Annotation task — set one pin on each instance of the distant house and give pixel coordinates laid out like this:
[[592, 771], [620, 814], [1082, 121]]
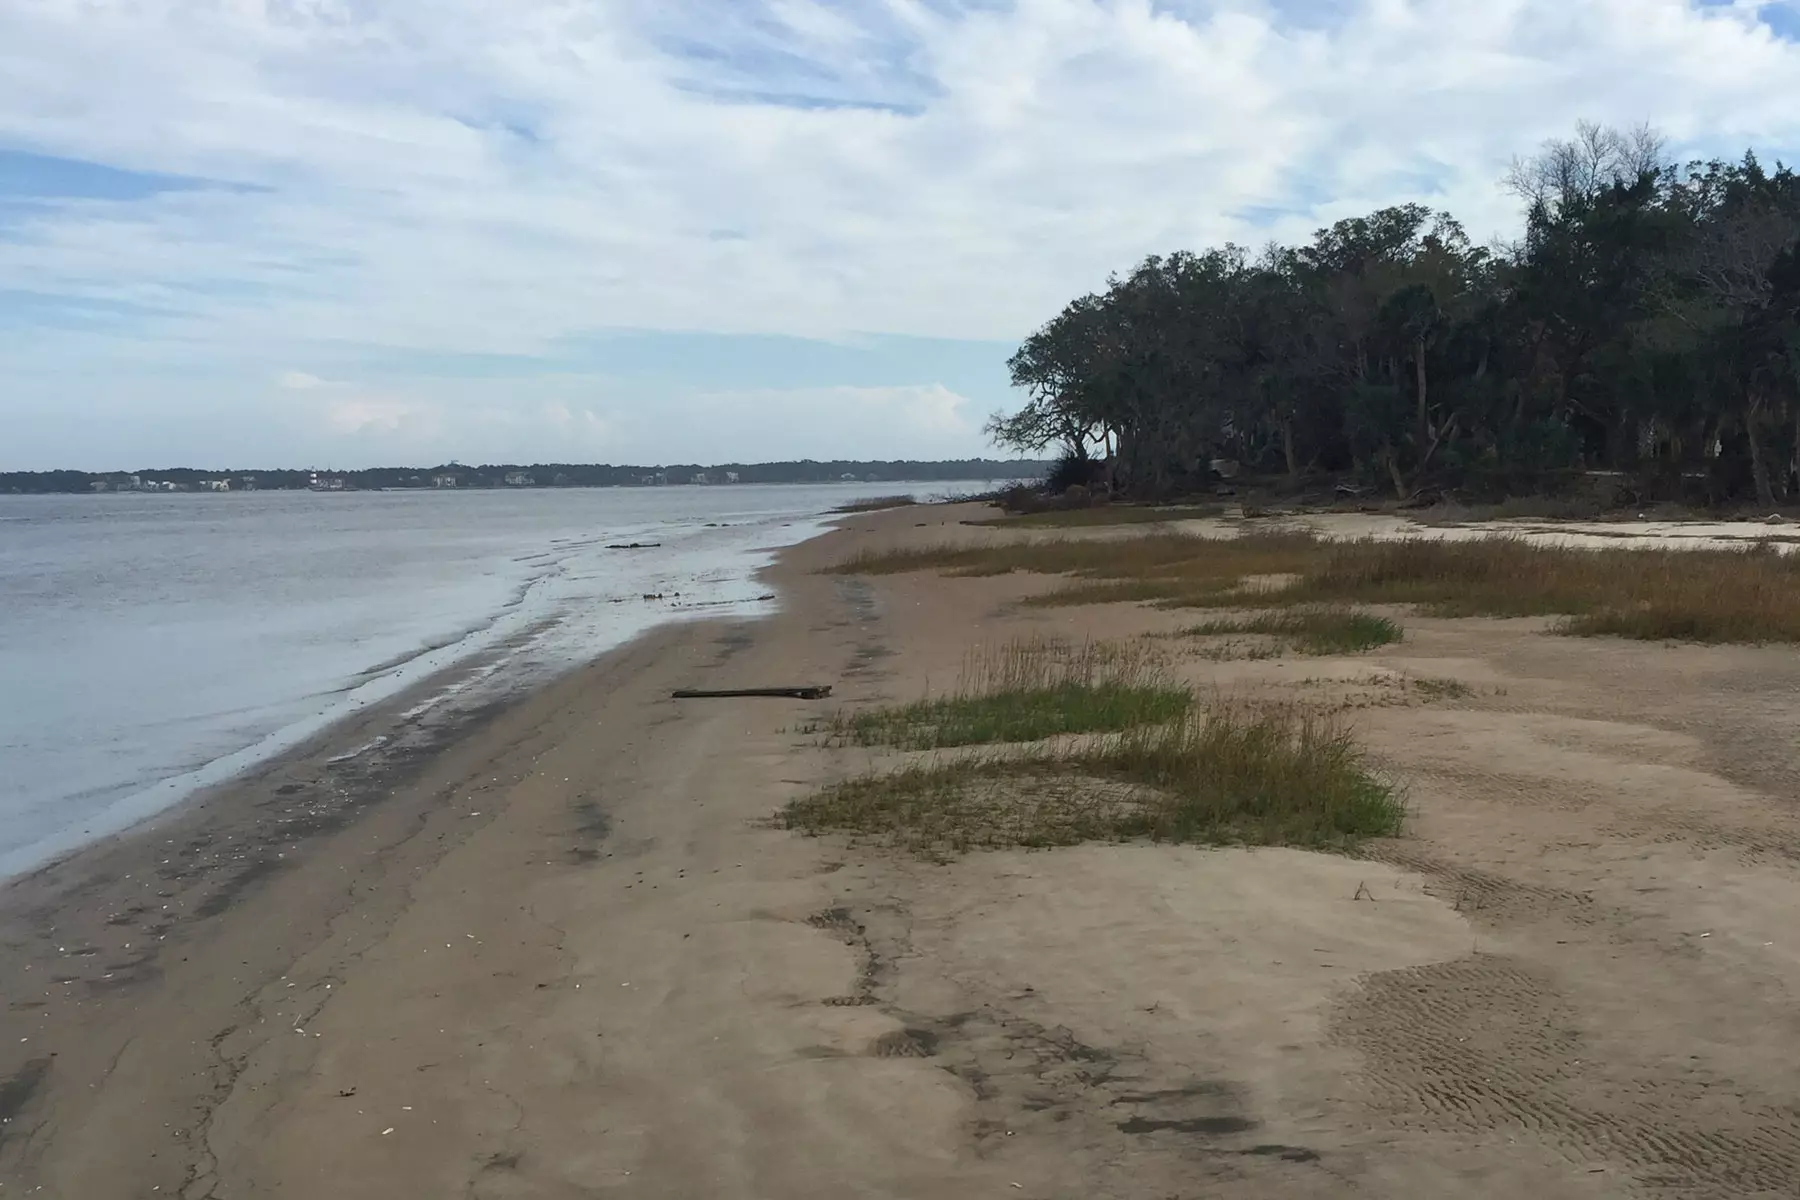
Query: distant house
[[702, 477], [519, 479], [215, 485], [99, 485], [848, 477], [443, 481], [731, 477]]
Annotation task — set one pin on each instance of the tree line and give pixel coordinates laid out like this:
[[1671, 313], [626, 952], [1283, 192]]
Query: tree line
[[1647, 324]]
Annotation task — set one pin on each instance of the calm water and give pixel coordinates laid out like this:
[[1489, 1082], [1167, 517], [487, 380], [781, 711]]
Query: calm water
[[150, 645]]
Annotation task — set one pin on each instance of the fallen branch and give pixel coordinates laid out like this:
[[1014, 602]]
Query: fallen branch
[[813, 691]]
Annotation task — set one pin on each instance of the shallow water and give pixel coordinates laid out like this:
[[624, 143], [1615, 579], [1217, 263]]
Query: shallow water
[[151, 645]]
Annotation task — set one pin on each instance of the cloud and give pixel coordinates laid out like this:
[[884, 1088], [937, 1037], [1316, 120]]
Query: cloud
[[377, 414], [926, 421], [300, 381], [461, 178]]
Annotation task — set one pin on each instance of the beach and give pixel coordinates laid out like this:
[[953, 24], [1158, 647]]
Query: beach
[[558, 947]]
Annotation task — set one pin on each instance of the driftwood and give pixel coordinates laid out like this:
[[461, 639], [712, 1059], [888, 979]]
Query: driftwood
[[812, 691], [635, 546]]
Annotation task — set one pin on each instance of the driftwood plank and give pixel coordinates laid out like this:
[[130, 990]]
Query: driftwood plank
[[812, 691]]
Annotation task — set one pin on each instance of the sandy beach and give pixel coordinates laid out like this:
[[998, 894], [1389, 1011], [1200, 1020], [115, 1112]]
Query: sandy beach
[[562, 951]]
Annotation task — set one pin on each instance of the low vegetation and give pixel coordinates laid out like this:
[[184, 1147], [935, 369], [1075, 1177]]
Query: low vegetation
[[1310, 630], [1027, 690], [875, 504], [1722, 595], [1439, 687], [1230, 775], [1105, 514]]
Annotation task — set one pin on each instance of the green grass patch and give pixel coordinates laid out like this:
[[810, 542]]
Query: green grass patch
[[1024, 691], [1232, 775], [1310, 630]]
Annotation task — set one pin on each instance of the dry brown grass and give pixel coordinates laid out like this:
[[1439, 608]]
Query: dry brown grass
[[1175, 558], [1686, 595], [1106, 514], [1748, 595], [1310, 630]]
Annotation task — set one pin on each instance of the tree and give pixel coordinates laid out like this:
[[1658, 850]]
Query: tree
[[1648, 323]]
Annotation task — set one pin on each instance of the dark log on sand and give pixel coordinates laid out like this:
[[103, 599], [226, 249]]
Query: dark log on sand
[[813, 691]]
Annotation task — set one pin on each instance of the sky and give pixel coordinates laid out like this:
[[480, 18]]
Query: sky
[[263, 233]]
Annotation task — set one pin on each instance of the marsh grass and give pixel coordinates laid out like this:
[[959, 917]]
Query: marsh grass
[[1167, 592], [875, 504], [1723, 595], [1310, 630], [1107, 514], [1026, 690], [1231, 775]]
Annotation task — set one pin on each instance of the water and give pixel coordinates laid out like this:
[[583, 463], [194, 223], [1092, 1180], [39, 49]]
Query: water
[[152, 645]]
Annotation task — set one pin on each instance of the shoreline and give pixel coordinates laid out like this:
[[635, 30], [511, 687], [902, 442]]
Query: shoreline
[[100, 941], [534, 628], [92, 932]]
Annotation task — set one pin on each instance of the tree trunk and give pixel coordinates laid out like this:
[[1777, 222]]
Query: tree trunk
[[1794, 464], [1393, 468], [1759, 469], [1293, 463], [1419, 375]]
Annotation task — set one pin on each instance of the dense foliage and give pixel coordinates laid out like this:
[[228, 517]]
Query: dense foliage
[[1648, 324]]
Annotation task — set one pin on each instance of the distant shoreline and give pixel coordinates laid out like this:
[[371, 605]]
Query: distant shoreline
[[516, 476]]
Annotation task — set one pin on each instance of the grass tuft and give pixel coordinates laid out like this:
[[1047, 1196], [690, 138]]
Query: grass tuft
[[1024, 691], [1440, 687], [1234, 775], [1310, 630]]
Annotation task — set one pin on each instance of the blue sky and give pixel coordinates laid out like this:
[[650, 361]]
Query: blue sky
[[339, 232]]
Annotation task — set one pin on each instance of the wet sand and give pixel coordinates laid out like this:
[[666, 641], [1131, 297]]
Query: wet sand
[[563, 953]]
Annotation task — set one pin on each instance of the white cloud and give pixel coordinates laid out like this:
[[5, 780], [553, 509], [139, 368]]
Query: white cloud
[[926, 421], [460, 175], [378, 414], [300, 381]]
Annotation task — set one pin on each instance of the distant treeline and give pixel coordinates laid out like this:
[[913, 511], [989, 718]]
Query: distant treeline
[[1645, 329], [495, 475]]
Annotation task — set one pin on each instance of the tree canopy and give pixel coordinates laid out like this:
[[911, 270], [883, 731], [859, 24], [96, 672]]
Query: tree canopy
[[1647, 323]]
